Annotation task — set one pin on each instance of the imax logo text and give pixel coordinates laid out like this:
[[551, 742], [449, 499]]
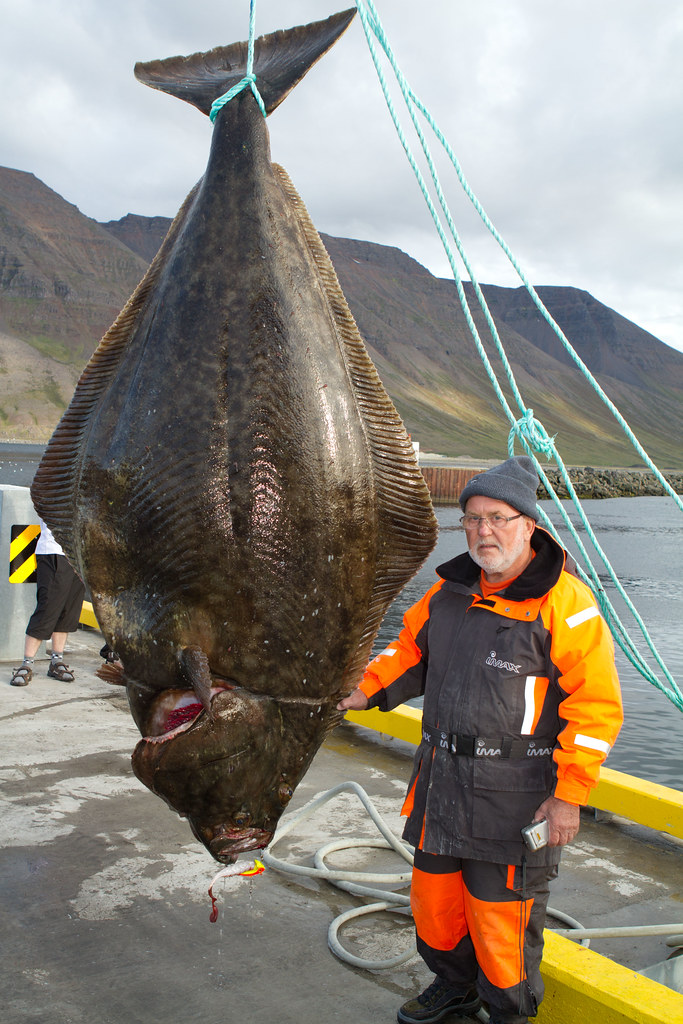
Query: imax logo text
[[506, 665]]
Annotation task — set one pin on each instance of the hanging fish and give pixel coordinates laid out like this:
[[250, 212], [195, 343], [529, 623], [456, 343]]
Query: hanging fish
[[231, 479]]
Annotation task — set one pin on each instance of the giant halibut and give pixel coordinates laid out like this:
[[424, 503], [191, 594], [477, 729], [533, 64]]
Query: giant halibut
[[231, 479]]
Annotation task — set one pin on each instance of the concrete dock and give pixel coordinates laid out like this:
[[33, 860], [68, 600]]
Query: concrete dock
[[105, 910]]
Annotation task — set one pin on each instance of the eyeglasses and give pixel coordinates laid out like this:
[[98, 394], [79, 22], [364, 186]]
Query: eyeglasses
[[496, 522]]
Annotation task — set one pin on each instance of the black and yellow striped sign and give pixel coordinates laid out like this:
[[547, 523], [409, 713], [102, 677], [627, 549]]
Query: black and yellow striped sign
[[22, 553]]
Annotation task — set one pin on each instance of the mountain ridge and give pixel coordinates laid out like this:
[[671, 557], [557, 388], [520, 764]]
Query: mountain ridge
[[64, 277]]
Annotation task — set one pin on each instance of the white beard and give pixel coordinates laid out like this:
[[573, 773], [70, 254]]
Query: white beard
[[497, 561]]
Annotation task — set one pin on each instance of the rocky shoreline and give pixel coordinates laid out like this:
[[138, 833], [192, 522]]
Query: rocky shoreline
[[610, 483]]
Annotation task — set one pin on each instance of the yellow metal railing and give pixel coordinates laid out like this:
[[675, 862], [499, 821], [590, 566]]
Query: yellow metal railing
[[646, 803], [88, 616], [581, 986]]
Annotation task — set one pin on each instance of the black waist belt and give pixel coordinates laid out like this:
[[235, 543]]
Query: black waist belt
[[485, 746]]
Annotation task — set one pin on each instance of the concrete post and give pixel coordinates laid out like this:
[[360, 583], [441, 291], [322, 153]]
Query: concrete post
[[17, 600]]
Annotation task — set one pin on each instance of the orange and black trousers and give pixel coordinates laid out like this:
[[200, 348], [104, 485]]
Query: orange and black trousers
[[481, 924]]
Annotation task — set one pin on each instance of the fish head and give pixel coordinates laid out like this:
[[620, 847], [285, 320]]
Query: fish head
[[225, 770]]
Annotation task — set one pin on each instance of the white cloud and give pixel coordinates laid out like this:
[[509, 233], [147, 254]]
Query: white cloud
[[564, 116]]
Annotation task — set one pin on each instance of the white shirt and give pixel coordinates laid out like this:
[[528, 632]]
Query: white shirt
[[47, 545]]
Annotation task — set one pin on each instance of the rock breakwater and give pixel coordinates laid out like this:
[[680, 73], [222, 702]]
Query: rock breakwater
[[610, 483]]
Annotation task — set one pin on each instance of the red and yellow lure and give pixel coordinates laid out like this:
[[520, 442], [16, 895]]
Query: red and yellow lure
[[255, 868]]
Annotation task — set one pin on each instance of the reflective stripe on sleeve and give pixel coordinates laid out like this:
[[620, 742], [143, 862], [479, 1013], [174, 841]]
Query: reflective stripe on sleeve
[[592, 743], [584, 616], [388, 652]]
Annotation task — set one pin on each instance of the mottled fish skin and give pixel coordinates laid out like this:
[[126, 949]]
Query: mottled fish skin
[[231, 479]]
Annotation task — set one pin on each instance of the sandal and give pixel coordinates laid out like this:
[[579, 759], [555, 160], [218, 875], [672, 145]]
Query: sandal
[[22, 676], [58, 670]]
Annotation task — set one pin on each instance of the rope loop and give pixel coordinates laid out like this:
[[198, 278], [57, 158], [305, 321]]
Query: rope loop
[[249, 80]]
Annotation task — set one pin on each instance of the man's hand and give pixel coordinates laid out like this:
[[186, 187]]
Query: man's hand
[[563, 820], [356, 701]]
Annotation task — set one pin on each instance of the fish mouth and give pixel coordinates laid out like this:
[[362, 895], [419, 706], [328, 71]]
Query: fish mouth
[[175, 711], [228, 843]]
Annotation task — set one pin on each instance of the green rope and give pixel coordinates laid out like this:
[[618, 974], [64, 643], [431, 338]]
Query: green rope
[[617, 628], [529, 431], [249, 80]]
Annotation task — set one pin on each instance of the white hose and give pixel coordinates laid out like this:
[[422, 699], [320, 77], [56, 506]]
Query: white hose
[[674, 930], [355, 882], [574, 925]]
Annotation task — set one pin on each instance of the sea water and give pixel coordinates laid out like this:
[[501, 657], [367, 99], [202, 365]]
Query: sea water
[[643, 541]]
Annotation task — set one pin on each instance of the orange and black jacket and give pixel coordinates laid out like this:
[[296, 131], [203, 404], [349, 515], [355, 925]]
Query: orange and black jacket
[[521, 701]]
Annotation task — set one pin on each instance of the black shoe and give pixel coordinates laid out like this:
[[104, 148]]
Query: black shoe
[[109, 655], [436, 1002]]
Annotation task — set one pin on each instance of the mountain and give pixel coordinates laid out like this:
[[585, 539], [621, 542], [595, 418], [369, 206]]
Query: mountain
[[64, 277], [63, 280]]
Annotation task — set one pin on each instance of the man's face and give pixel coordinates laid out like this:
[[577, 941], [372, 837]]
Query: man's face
[[501, 553]]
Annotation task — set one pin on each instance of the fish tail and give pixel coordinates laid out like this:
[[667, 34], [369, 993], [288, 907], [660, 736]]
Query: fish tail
[[281, 60]]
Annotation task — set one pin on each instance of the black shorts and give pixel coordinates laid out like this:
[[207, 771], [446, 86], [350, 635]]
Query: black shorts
[[60, 595]]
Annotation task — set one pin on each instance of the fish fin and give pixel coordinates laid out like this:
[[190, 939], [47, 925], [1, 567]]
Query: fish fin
[[281, 60], [407, 523], [194, 665], [55, 487], [113, 674]]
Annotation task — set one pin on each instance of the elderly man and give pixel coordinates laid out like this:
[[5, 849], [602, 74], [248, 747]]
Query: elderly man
[[521, 706]]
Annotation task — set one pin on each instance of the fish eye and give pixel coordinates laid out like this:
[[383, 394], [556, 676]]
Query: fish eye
[[285, 794], [242, 818]]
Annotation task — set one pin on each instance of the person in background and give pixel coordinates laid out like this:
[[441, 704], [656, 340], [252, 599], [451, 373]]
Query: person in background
[[59, 599], [521, 706]]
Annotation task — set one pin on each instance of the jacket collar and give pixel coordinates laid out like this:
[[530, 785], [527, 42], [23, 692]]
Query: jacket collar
[[540, 575]]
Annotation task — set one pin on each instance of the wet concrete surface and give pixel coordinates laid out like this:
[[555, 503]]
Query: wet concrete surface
[[105, 910]]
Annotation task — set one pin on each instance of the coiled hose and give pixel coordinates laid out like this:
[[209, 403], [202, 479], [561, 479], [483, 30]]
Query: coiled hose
[[356, 883]]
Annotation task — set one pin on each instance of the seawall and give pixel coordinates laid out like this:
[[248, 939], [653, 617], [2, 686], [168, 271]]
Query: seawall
[[446, 483]]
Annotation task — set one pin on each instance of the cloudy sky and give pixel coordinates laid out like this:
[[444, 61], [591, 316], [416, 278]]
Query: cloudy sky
[[565, 115]]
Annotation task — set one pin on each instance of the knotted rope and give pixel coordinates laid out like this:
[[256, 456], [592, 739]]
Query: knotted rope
[[249, 80]]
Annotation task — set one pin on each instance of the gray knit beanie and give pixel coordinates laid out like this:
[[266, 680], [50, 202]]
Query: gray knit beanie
[[514, 482]]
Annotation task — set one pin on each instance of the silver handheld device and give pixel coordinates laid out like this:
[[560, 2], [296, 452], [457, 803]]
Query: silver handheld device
[[536, 834]]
